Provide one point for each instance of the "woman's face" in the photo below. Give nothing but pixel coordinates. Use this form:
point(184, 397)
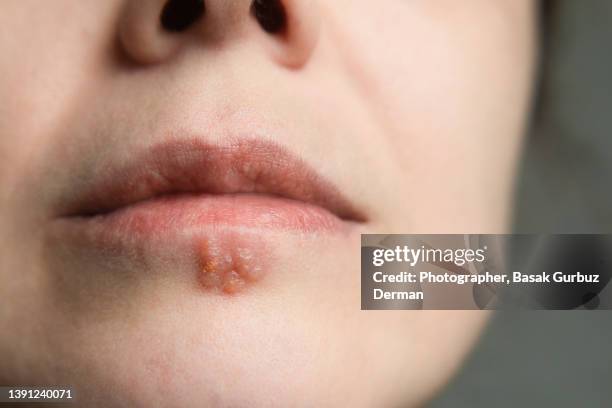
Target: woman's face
point(181, 212)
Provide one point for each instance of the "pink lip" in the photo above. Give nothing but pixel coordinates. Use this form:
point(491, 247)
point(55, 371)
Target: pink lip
point(204, 205)
point(181, 184)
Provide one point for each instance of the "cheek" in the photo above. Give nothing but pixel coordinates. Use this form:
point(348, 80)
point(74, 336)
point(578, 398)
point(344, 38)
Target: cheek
point(431, 63)
point(52, 63)
point(448, 86)
point(45, 76)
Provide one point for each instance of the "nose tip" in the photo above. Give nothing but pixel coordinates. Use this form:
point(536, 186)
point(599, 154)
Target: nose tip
point(152, 31)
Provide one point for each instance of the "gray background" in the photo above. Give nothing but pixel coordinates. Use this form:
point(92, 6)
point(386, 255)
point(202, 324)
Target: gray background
point(557, 359)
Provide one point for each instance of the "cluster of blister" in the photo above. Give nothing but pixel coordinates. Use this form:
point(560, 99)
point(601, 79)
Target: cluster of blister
point(226, 266)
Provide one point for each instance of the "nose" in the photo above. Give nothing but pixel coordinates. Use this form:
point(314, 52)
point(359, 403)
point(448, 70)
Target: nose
point(153, 31)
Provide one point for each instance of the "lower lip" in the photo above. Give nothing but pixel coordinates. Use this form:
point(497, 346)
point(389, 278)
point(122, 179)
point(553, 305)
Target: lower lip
point(164, 214)
point(224, 235)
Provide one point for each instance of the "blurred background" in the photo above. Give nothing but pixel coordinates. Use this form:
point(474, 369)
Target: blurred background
point(557, 358)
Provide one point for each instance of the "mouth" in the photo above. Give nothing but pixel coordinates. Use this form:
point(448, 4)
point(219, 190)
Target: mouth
point(218, 203)
point(247, 182)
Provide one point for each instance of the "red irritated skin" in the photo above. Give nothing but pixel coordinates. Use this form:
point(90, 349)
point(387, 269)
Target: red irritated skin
point(230, 262)
point(220, 201)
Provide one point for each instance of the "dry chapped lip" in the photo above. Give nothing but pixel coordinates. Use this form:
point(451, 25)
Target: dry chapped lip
point(243, 166)
point(220, 200)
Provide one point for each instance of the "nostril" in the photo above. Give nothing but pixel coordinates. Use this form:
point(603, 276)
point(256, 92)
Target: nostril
point(178, 15)
point(270, 15)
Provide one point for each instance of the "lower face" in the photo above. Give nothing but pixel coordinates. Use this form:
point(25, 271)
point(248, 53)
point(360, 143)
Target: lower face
point(187, 234)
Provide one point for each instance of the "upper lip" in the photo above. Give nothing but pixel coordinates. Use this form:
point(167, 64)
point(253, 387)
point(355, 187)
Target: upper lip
point(194, 166)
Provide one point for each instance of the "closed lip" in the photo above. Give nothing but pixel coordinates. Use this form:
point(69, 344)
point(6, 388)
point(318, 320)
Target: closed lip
point(190, 183)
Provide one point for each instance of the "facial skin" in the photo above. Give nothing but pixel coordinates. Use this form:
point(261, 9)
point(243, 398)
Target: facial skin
point(412, 109)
